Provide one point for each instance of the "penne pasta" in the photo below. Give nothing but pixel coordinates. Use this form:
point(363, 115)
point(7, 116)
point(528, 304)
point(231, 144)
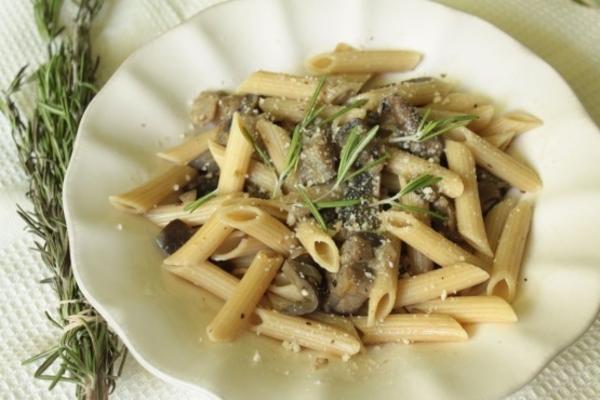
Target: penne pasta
point(484, 115)
point(418, 262)
point(469, 218)
point(238, 245)
point(306, 333)
point(471, 309)
point(516, 121)
point(423, 238)
point(409, 328)
point(416, 92)
point(152, 192)
point(382, 295)
point(496, 219)
point(260, 225)
point(409, 166)
point(202, 244)
point(461, 102)
point(319, 245)
point(277, 142)
point(501, 140)
point(237, 159)
point(497, 162)
point(188, 150)
point(363, 61)
point(509, 255)
point(162, 215)
point(240, 305)
point(438, 283)
point(264, 83)
point(258, 173)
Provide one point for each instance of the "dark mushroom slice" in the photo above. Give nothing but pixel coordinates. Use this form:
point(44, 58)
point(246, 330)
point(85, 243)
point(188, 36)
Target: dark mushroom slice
point(307, 279)
point(447, 227)
point(173, 236)
point(348, 289)
point(491, 189)
point(318, 158)
point(364, 216)
point(402, 120)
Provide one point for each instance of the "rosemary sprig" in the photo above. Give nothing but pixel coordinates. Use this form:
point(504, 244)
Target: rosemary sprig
point(337, 203)
point(354, 145)
point(87, 353)
point(420, 182)
point(368, 166)
point(293, 154)
point(313, 209)
point(344, 110)
point(428, 129)
point(191, 207)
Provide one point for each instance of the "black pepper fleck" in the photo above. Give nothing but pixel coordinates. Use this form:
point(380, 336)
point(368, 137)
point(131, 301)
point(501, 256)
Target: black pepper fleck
point(242, 316)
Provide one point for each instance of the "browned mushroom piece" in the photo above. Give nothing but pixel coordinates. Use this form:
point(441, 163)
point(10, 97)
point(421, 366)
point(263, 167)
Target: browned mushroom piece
point(349, 288)
point(447, 226)
point(317, 162)
point(402, 119)
point(491, 189)
point(173, 236)
point(205, 107)
point(307, 279)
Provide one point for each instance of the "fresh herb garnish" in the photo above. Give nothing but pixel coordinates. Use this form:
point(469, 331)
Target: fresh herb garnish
point(354, 145)
point(86, 353)
point(337, 203)
point(428, 129)
point(344, 110)
point(368, 166)
point(313, 209)
point(419, 182)
point(191, 207)
point(293, 155)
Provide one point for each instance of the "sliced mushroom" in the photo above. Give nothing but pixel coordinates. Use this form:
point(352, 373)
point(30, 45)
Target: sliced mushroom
point(173, 236)
point(349, 287)
point(491, 189)
point(317, 162)
point(204, 109)
point(447, 226)
point(307, 279)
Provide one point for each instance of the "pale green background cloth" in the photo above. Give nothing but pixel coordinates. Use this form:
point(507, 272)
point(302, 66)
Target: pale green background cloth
point(562, 32)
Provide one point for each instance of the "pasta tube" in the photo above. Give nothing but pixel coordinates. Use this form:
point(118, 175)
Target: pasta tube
point(151, 193)
point(240, 305)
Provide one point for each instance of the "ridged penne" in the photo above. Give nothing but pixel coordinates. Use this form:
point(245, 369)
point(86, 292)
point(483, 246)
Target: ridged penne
point(152, 192)
point(240, 305)
point(238, 245)
point(438, 283)
point(384, 265)
point(258, 173)
point(516, 121)
point(471, 309)
point(501, 140)
point(258, 224)
point(237, 159)
point(363, 61)
point(416, 92)
point(188, 150)
point(496, 161)
point(423, 238)
point(484, 114)
point(469, 218)
point(319, 245)
point(265, 83)
point(202, 244)
point(509, 254)
point(407, 328)
point(418, 262)
point(409, 166)
point(277, 142)
point(461, 102)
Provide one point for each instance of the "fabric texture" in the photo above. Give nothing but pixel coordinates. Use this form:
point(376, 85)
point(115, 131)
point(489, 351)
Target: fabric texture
point(562, 32)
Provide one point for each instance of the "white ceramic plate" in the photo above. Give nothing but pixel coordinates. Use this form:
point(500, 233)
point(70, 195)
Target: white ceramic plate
point(143, 108)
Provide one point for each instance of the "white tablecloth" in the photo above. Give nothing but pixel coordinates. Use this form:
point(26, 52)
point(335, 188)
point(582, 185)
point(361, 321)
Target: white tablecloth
point(565, 34)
